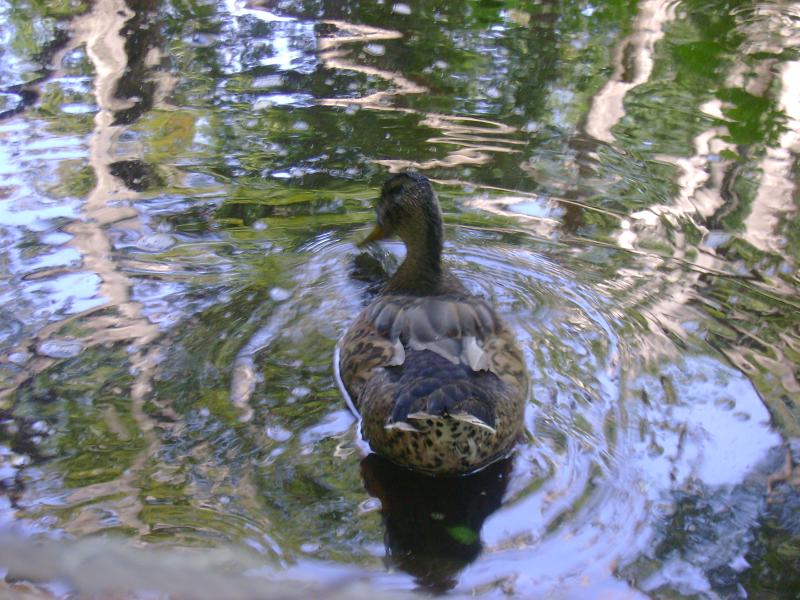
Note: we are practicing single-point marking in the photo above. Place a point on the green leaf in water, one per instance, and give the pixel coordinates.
(463, 534)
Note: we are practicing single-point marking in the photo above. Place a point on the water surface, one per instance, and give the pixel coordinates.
(181, 186)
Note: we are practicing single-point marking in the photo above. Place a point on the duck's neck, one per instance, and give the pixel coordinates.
(421, 271)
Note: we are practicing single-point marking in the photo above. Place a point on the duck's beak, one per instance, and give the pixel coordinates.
(377, 234)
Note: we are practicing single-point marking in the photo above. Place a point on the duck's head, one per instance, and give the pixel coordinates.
(408, 208)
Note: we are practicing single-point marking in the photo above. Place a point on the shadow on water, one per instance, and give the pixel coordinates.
(181, 184)
(433, 525)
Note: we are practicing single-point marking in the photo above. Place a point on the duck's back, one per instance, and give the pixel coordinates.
(438, 380)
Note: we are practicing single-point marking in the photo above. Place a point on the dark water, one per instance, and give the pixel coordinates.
(181, 186)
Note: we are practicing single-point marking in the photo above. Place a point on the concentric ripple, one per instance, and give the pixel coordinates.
(610, 434)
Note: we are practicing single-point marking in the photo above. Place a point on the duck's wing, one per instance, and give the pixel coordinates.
(364, 349)
(462, 329)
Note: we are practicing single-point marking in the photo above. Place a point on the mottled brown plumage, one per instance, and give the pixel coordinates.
(436, 375)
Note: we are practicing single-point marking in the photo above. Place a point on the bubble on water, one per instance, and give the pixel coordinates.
(260, 225)
(375, 49)
(279, 294)
(300, 391)
(739, 564)
(77, 108)
(278, 433)
(59, 348)
(273, 456)
(369, 505)
(156, 242)
(19, 358)
(40, 427)
(55, 238)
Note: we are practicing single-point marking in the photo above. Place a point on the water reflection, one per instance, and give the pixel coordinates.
(633, 65)
(474, 138)
(433, 525)
(180, 190)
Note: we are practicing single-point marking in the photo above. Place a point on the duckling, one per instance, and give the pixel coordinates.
(436, 375)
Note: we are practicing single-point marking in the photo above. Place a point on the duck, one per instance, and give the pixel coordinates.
(436, 376)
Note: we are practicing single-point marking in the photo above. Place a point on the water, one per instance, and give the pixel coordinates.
(181, 187)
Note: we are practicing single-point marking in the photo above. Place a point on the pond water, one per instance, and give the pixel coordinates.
(181, 187)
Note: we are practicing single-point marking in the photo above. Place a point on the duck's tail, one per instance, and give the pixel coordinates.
(431, 388)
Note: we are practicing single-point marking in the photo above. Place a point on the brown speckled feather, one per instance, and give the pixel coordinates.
(439, 381)
(436, 375)
(463, 329)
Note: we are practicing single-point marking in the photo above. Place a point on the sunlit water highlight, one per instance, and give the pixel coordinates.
(178, 205)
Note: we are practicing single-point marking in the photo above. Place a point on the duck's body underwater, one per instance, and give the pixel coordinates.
(436, 375)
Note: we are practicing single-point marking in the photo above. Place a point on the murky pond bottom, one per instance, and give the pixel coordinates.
(181, 187)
